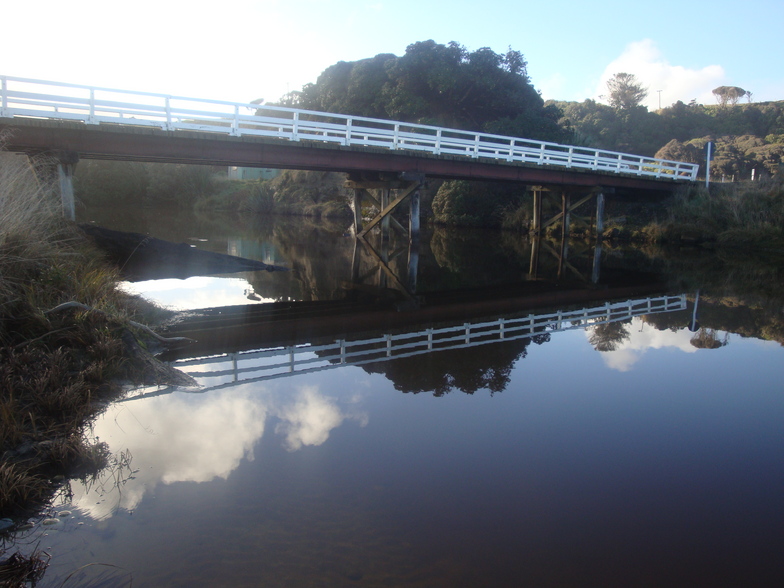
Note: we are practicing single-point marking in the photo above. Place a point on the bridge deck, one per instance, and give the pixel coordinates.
(117, 124)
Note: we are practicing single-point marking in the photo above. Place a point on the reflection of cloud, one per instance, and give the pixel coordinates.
(174, 440)
(310, 419)
(197, 438)
(641, 338)
(194, 292)
(646, 62)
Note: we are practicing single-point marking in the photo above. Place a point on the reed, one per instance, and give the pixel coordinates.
(748, 213)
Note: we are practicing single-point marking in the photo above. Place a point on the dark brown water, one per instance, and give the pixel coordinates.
(628, 452)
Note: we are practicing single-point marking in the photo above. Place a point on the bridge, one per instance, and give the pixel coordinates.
(69, 122)
(225, 370)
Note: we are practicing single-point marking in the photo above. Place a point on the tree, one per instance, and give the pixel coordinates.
(442, 85)
(729, 94)
(626, 92)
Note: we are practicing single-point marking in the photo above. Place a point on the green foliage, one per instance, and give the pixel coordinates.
(750, 213)
(638, 131)
(443, 85)
(477, 204)
(125, 182)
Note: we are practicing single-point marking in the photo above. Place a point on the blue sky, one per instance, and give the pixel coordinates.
(244, 50)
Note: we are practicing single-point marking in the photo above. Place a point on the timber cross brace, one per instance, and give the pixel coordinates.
(568, 206)
(407, 186)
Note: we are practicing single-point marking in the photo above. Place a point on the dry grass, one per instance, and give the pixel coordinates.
(20, 571)
(57, 370)
(750, 213)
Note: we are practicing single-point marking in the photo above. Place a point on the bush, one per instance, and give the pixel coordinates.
(477, 204)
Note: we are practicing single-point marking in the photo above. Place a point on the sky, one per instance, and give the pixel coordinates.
(244, 50)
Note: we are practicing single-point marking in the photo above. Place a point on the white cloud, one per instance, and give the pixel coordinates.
(643, 337)
(646, 62)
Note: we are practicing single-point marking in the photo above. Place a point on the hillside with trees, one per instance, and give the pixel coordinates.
(747, 136)
(435, 84)
(448, 85)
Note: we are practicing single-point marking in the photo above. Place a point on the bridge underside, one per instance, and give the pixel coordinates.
(63, 138)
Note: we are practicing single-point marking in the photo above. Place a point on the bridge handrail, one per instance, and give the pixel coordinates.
(24, 97)
(280, 362)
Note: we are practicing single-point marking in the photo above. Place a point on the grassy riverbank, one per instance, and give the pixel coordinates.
(57, 366)
(747, 214)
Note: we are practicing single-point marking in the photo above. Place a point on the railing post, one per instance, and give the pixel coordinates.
(235, 124)
(510, 157)
(438, 142)
(348, 132)
(295, 127)
(91, 116)
(569, 159)
(168, 114)
(476, 147)
(4, 94)
(395, 137)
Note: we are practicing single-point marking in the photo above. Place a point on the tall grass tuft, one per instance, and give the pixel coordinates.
(56, 368)
(749, 213)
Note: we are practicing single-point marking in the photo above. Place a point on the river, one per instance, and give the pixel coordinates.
(503, 416)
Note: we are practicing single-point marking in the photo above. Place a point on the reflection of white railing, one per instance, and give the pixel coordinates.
(268, 364)
(21, 97)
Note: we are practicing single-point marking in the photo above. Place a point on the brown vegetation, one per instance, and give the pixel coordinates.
(57, 369)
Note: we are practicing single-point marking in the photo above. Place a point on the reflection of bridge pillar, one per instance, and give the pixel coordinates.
(533, 268)
(57, 169)
(599, 215)
(413, 266)
(597, 260)
(413, 218)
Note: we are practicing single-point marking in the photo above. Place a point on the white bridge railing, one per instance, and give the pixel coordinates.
(231, 369)
(22, 97)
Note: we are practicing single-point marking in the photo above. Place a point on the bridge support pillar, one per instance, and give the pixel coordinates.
(567, 208)
(57, 170)
(406, 186)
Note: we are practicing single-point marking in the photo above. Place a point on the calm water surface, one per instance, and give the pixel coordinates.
(537, 461)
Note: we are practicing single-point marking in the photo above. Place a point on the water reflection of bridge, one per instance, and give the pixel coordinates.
(231, 369)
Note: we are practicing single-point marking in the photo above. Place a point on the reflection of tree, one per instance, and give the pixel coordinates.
(609, 336)
(709, 339)
(468, 370)
(472, 258)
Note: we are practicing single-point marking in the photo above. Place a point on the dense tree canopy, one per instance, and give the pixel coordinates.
(443, 85)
